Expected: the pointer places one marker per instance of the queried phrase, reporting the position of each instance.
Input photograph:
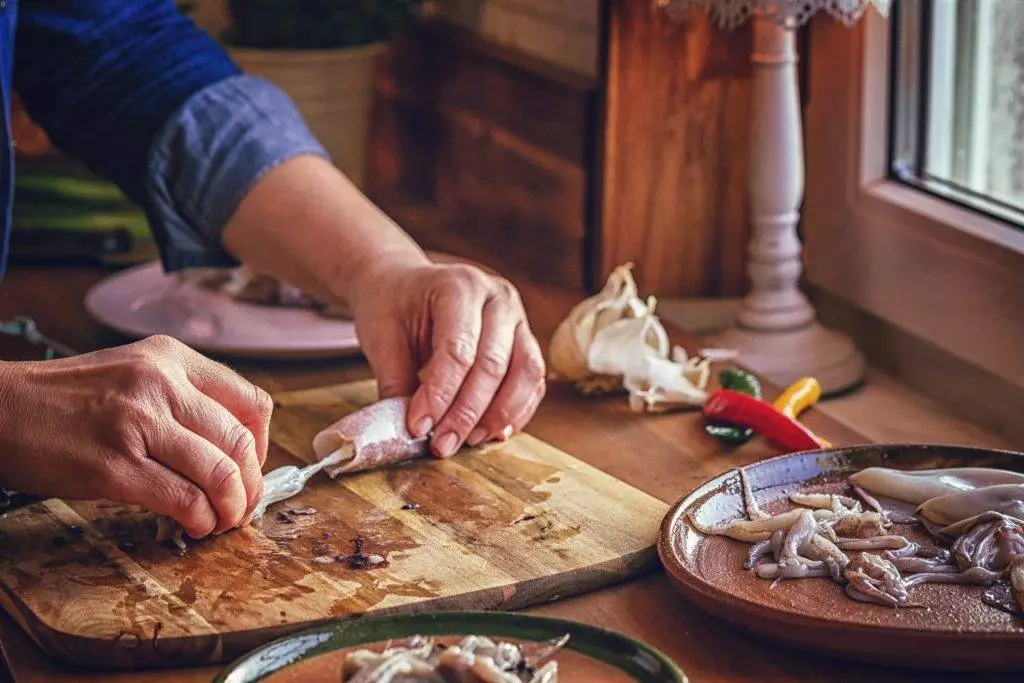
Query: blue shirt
(144, 97)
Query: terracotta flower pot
(333, 90)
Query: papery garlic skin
(570, 345)
(623, 347)
(666, 385)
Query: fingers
(520, 394)
(155, 487)
(494, 353)
(248, 403)
(214, 482)
(211, 421)
(457, 322)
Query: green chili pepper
(744, 383)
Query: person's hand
(457, 341)
(153, 424)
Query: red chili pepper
(746, 411)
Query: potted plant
(322, 53)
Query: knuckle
(263, 402)
(161, 343)
(186, 502)
(141, 374)
(464, 271)
(460, 350)
(534, 369)
(257, 492)
(493, 363)
(242, 443)
(224, 476)
(506, 290)
(464, 416)
(439, 395)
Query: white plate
(143, 301)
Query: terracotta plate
(592, 654)
(955, 629)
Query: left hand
(457, 341)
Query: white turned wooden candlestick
(776, 333)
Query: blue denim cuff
(209, 155)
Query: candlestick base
(780, 356)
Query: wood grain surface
(673, 169)
(665, 456)
(503, 526)
(493, 144)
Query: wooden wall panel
(673, 174)
(484, 152)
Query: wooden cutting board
(501, 527)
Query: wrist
(369, 271)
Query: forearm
(307, 224)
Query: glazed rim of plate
(591, 641)
(674, 519)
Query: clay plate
(143, 301)
(955, 630)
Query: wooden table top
(664, 455)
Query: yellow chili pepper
(801, 395)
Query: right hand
(153, 424)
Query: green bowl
(642, 662)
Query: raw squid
(918, 486)
(372, 437)
(375, 436)
(979, 511)
(963, 508)
(476, 659)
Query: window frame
(932, 97)
(873, 241)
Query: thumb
(390, 355)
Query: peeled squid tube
(964, 506)
(918, 486)
(373, 437)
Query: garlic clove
(623, 347)
(571, 342)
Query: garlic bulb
(570, 345)
(614, 341)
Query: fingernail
(476, 436)
(506, 433)
(446, 444)
(423, 427)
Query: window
(906, 218)
(958, 102)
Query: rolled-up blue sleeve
(209, 155)
(147, 99)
